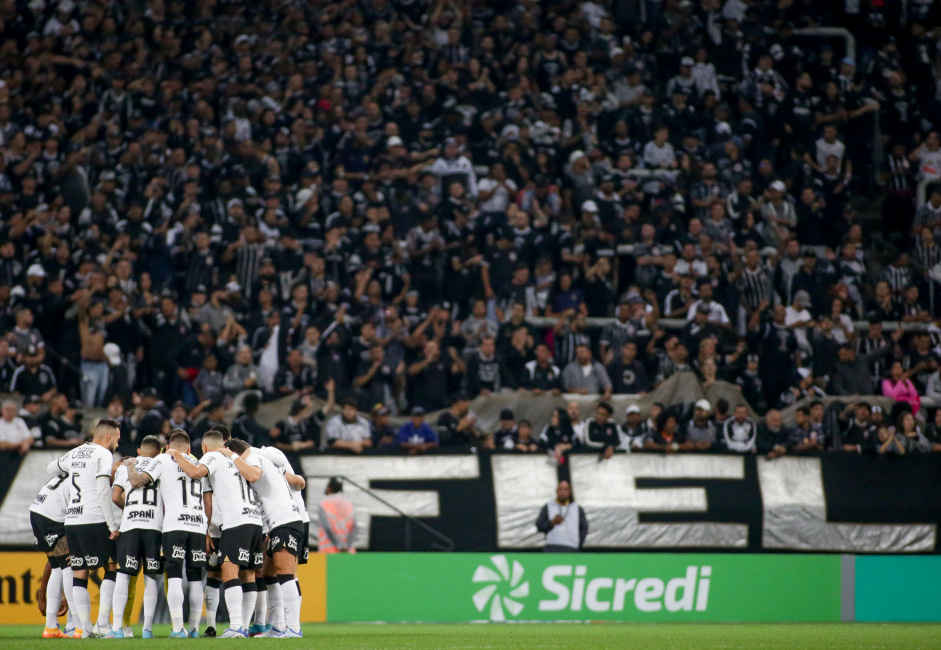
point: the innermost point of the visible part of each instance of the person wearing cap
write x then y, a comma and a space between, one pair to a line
684, 82
563, 522
31, 412
383, 433
416, 436
635, 430
778, 214
33, 377
701, 430
507, 433
585, 376
804, 388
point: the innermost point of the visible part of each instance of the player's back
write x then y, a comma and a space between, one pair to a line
84, 465
275, 494
53, 499
234, 497
280, 461
143, 506
182, 496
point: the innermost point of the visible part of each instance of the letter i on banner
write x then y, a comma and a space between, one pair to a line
702, 594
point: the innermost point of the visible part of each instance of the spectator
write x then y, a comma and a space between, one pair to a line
933, 431
563, 522
348, 430
430, 377
242, 375
860, 434
852, 372
909, 434
246, 426
416, 436
889, 442
772, 438
33, 377
541, 375
558, 436
485, 372
628, 375
900, 388
506, 434
667, 436
14, 434
213, 414
585, 376
739, 433
602, 433
383, 433
634, 431
525, 441
458, 425
701, 431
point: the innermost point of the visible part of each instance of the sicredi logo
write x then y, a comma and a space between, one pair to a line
570, 588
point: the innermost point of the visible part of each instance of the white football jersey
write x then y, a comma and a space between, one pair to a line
53, 499
277, 457
84, 465
232, 495
182, 496
275, 494
143, 507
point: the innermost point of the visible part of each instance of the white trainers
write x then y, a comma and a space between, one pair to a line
128, 632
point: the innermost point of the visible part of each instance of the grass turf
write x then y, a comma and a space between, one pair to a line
646, 636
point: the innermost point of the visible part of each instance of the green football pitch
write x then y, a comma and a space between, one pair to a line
542, 635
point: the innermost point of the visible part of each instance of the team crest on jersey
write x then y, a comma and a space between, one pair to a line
259, 558
153, 565
91, 560
179, 553
199, 556
292, 542
51, 539
130, 562
244, 555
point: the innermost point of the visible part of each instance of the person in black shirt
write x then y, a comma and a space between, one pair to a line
374, 378
505, 436
541, 375
627, 373
294, 376
383, 433
430, 377
558, 436
246, 427
300, 429
34, 377
860, 433
484, 373
669, 436
457, 425
214, 414
601, 432
63, 427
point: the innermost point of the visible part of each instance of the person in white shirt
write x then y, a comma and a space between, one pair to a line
91, 528
348, 430
563, 522
798, 318
14, 434
453, 167
275, 487
184, 529
241, 546
47, 519
139, 543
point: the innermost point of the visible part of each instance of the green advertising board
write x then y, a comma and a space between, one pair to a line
615, 587
898, 588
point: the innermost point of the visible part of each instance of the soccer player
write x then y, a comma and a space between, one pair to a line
139, 544
287, 541
47, 517
241, 541
214, 573
91, 529
184, 529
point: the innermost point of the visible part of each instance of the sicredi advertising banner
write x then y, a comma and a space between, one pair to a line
580, 587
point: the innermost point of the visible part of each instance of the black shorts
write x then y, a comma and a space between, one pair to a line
244, 546
305, 544
215, 557
90, 545
185, 546
46, 531
288, 538
139, 549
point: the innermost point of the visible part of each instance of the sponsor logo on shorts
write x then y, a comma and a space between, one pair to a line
91, 560
130, 562
273, 542
244, 555
179, 553
259, 558
199, 556
75, 562
153, 565
292, 542
52, 539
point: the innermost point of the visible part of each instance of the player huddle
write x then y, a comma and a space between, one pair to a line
235, 517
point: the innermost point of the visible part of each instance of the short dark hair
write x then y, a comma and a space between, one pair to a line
803, 409
107, 423
151, 443
335, 485
250, 403
237, 446
178, 438
223, 430
606, 406
213, 435
816, 402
